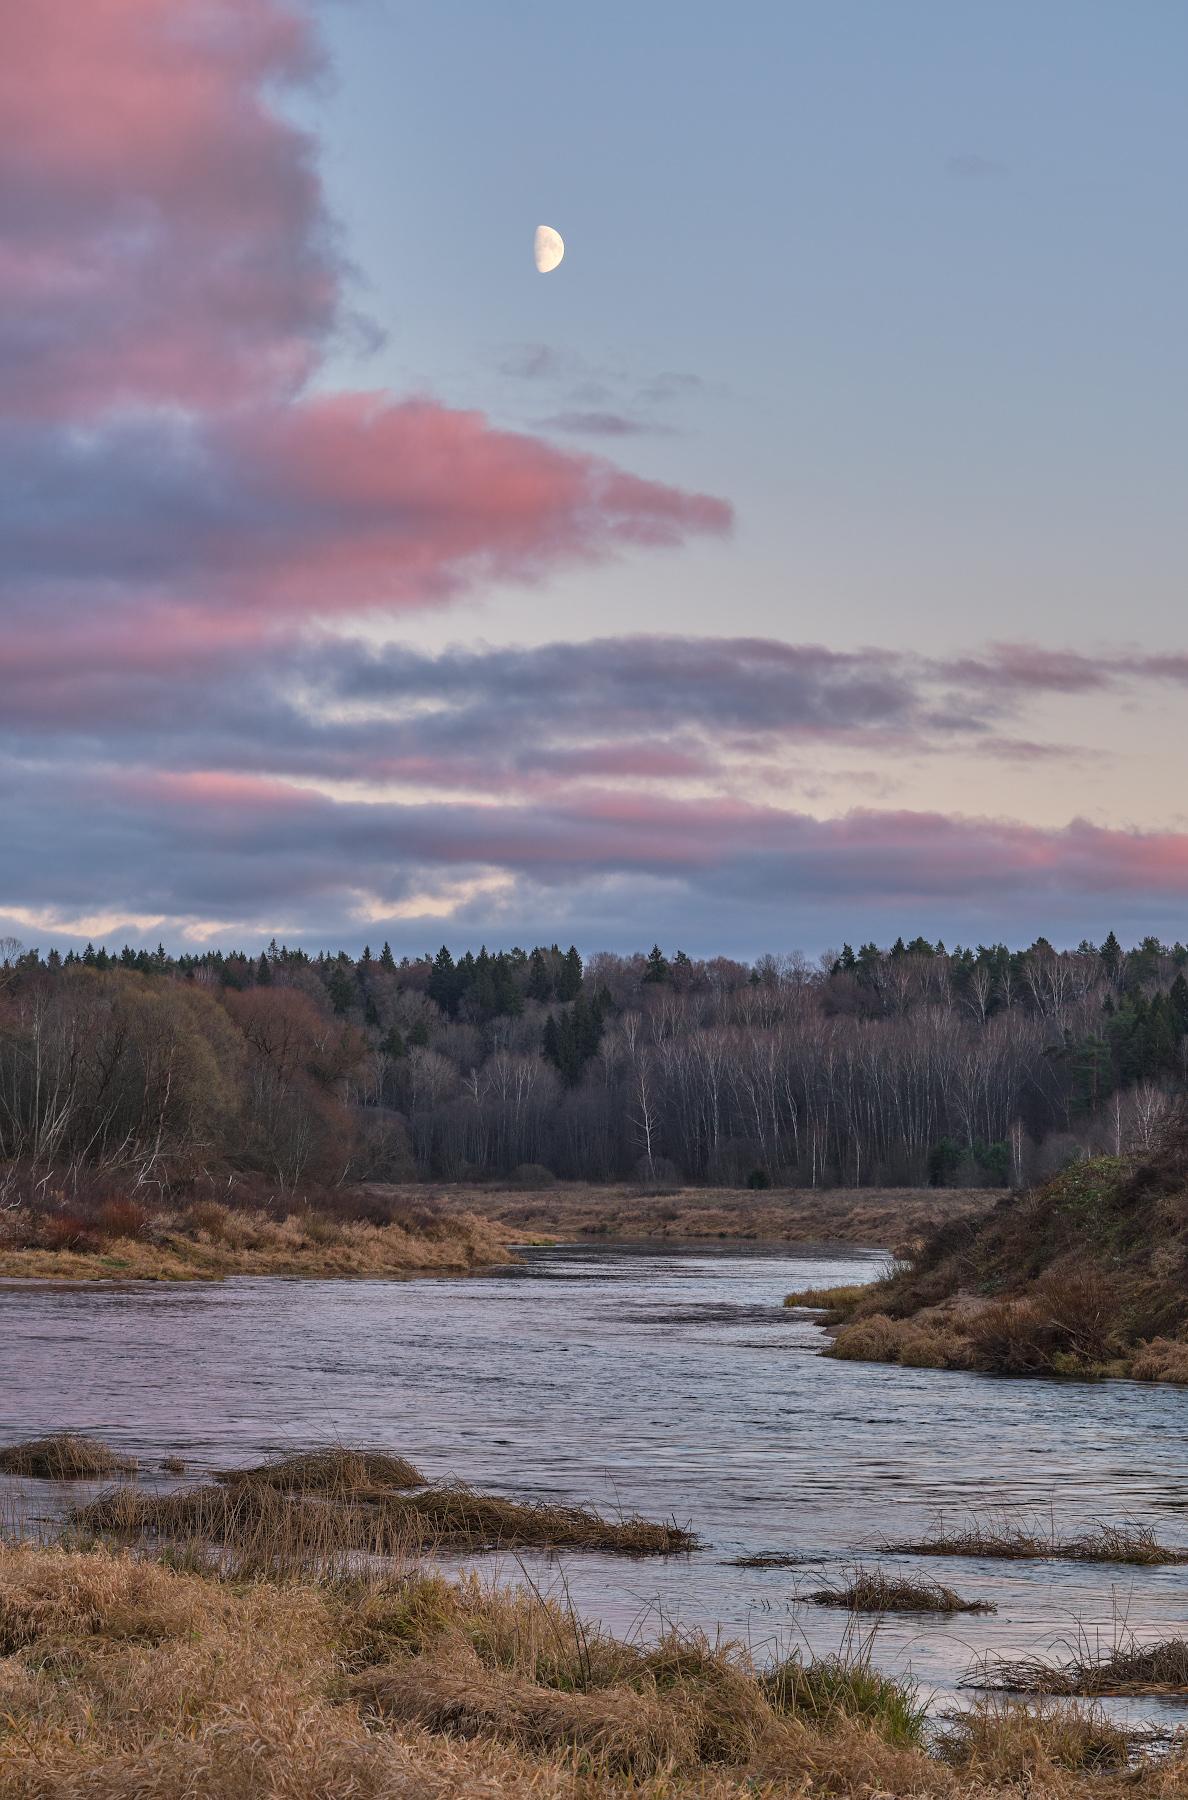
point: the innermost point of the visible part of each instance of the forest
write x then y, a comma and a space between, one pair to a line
905, 1065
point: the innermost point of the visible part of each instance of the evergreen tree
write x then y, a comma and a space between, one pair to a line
443, 982
656, 968
569, 978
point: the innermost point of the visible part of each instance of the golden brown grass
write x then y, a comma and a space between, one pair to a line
1016, 1739
210, 1241
121, 1679
997, 1535
64, 1456
329, 1470
269, 1529
878, 1591
878, 1217
1127, 1667
828, 1299
1163, 1359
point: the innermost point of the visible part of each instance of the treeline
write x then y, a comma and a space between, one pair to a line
905, 1065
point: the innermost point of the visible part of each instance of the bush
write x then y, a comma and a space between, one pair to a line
758, 1178
121, 1219
532, 1176
1163, 1359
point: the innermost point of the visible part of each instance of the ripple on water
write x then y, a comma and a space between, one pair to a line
668, 1380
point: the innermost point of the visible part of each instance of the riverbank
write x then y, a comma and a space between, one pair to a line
208, 1242
120, 1676
874, 1217
1086, 1275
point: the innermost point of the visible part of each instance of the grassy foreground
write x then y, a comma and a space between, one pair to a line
125, 1679
1086, 1275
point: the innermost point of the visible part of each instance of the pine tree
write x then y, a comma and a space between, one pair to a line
443, 981
656, 968
569, 978
387, 960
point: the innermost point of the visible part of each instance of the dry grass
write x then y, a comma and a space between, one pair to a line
877, 1217
1128, 1667
329, 1470
1014, 1740
1163, 1359
876, 1591
64, 1456
1084, 1276
771, 1559
828, 1299
121, 1679
268, 1529
207, 1242
929, 1341
997, 1535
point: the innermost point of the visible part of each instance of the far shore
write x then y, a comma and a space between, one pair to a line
873, 1218
464, 1229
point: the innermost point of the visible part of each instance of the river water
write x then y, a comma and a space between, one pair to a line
664, 1380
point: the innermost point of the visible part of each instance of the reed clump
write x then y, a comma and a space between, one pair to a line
269, 1528
826, 1690
1011, 1540
878, 1591
329, 1470
1128, 1667
1009, 1741
839, 1299
65, 1456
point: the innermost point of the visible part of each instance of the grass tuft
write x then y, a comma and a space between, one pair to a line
826, 1690
1006, 1741
876, 1591
329, 1470
269, 1529
1001, 1538
1128, 1668
64, 1456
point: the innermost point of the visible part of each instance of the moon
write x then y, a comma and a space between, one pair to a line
548, 248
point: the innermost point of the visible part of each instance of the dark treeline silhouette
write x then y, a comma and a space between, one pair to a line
906, 1065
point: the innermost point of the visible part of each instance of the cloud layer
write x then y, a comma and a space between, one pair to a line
197, 737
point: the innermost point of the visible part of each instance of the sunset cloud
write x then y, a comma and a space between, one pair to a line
169, 282
202, 714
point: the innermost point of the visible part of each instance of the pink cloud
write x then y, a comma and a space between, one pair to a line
168, 282
162, 234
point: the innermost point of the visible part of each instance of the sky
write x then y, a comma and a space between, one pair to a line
800, 562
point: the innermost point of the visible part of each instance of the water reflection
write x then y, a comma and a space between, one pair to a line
667, 1379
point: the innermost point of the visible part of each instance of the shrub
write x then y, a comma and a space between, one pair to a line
121, 1219
1163, 1359
533, 1176
69, 1231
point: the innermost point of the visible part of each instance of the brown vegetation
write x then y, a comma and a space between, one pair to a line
205, 1240
877, 1591
122, 1679
330, 1470
995, 1535
64, 1456
273, 1520
1127, 1668
1017, 1739
1087, 1275
575, 1210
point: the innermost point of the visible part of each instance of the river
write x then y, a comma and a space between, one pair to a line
665, 1380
